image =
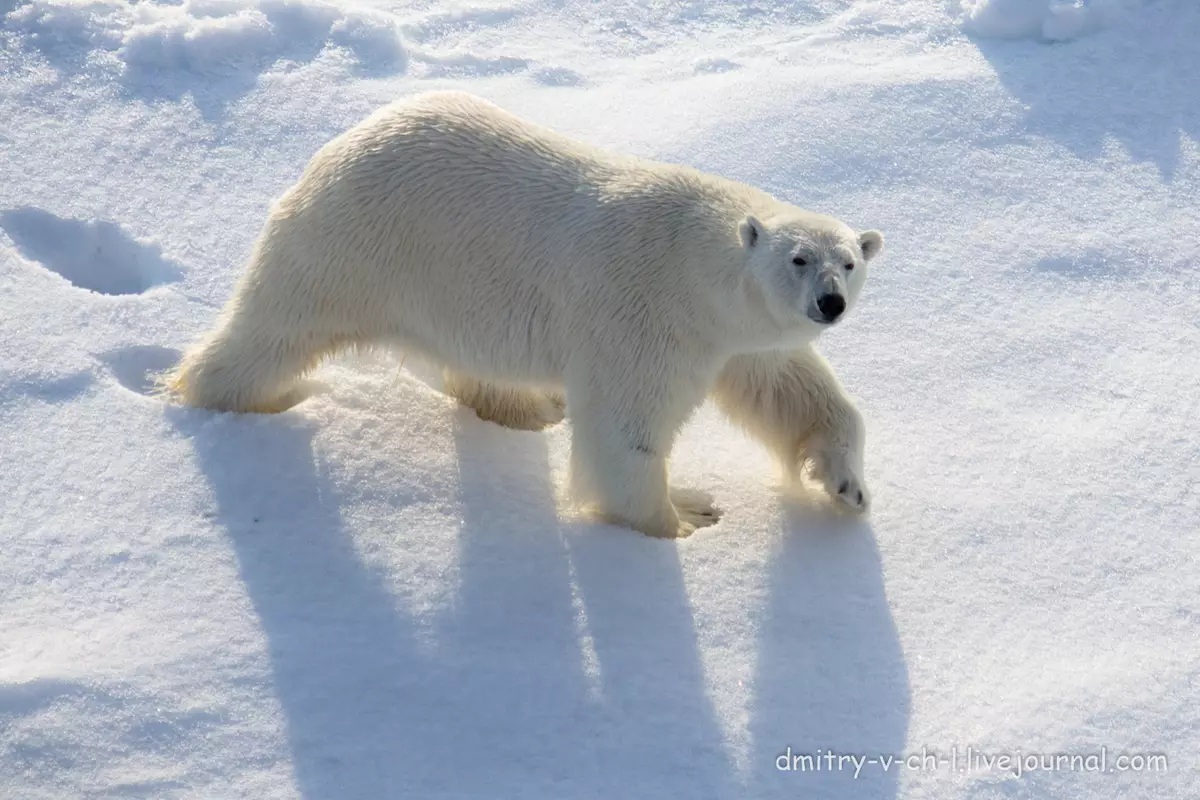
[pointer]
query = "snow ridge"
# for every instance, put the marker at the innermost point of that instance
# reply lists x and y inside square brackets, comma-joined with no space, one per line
[1053,20]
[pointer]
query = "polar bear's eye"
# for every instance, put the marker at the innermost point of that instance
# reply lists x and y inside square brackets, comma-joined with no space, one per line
[799,262]
[850,266]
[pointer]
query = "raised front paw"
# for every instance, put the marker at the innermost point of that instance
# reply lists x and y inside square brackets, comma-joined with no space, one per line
[841,479]
[853,495]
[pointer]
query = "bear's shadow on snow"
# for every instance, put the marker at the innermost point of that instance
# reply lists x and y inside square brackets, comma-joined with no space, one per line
[343,661]
[568,663]
[831,675]
[1109,85]
[606,688]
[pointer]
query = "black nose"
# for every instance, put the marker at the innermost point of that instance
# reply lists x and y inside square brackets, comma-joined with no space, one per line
[831,306]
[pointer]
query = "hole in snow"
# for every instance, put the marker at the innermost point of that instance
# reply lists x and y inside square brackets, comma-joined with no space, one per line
[714,65]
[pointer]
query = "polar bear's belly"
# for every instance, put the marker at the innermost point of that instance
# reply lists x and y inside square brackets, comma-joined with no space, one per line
[489,337]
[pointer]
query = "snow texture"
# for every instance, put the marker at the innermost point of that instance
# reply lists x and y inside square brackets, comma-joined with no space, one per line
[1054,20]
[372,595]
[209,35]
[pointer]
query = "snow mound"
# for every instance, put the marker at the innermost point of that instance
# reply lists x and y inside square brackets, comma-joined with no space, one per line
[1055,20]
[211,35]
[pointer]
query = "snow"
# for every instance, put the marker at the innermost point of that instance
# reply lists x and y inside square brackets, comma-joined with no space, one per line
[210,35]
[373,594]
[1055,20]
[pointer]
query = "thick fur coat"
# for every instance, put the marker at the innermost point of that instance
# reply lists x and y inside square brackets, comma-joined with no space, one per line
[528,264]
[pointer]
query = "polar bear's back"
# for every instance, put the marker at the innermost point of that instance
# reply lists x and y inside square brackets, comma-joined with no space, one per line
[451,214]
[446,163]
[454,169]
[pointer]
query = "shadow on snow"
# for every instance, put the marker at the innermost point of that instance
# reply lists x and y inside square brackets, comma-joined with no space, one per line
[507,704]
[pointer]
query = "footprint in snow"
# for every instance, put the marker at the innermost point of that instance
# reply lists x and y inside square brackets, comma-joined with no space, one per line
[52,389]
[715,65]
[96,255]
[137,368]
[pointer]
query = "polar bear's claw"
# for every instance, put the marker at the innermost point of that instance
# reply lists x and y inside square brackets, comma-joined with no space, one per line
[852,495]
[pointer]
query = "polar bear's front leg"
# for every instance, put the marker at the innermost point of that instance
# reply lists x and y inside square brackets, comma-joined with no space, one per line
[621,436]
[794,404]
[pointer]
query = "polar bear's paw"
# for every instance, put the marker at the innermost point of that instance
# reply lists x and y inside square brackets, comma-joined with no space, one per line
[695,509]
[558,404]
[843,483]
[522,409]
[853,495]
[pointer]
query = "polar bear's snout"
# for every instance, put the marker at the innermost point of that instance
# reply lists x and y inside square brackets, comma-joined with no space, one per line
[831,305]
[831,299]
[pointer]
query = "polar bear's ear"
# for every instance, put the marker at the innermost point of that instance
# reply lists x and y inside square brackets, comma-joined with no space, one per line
[751,230]
[871,243]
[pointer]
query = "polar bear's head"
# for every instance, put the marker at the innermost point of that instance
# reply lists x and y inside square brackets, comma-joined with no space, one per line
[810,268]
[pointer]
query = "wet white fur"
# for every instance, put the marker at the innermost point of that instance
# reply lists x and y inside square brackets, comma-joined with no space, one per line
[527,263]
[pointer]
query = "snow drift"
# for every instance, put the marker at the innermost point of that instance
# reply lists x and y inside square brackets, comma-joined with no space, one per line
[1054,20]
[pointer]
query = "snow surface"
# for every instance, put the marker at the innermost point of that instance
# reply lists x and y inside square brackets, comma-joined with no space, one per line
[1055,20]
[372,595]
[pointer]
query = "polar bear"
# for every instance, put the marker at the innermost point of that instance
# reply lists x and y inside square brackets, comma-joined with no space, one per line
[527,264]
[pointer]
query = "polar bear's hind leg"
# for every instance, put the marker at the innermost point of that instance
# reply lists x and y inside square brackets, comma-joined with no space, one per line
[247,371]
